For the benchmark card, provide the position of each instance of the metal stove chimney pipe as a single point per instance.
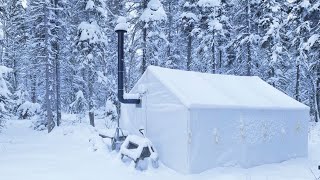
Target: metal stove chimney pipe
(120, 29)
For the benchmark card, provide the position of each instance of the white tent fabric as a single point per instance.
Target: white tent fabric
(198, 121)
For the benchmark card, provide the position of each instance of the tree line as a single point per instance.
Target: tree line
(63, 54)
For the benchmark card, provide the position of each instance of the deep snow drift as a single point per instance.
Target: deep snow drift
(75, 151)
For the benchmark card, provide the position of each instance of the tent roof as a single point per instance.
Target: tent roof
(204, 90)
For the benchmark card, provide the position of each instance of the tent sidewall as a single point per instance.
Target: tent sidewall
(246, 137)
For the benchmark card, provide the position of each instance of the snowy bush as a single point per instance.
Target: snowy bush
(111, 111)
(39, 121)
(20, 97)
(39, 124)
(28, 109)
(79, 105)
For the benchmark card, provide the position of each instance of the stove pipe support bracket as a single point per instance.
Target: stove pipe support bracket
(120, 31)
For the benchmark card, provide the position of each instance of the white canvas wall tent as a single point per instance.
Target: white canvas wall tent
(198, 121)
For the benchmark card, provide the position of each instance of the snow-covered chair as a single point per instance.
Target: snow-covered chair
(117, 137)
(138, 149)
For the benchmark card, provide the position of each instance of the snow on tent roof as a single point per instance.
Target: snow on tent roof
(204, 90)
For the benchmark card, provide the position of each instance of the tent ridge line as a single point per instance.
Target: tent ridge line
(173, 90)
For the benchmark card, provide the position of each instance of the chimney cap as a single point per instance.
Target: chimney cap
(122, 24)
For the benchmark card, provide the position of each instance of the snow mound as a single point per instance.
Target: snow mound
(28, 109)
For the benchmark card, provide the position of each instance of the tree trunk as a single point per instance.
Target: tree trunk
(189, 51)
(57, 66)
(248, 64)
(15, 72)
(317, 100)
(90, 96)
(220, 60)
(213, 60)
(317, 92)
(33, 87)
(1, 53)
(58, 90)
(248, 73)
(297, 95)
(169, 30)
(48, 96)
(144, 51)
(91, 117)
(144, 36)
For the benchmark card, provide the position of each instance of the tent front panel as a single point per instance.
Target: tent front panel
(168, 132)
(164, 119)
(246, 137)
(155, 96)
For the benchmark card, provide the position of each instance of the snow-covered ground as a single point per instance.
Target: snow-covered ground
(77, 152)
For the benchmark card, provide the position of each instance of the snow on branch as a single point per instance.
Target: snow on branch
(4, 70)
(311, 41)
(154, 12)
(209, 3)
(90, 31)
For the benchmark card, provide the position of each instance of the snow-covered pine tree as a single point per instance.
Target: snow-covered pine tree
(2, 30)
(174, 54)
(275, 62)
(4, 95)
(297, 30)
(146, 41)
(212, 20)
(16, 35)
(312, 48)
(154, 41)
(302, 26)
(79, 106)
(91, 41)
(56, 31)
(108, 71)
(188, 21)
(71, 80)
(43, 39)
(246, 37)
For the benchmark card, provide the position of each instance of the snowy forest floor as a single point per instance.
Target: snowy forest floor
(77, 152)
